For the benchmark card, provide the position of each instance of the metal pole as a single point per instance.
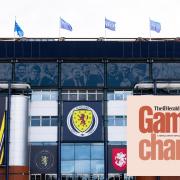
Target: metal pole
(59, 129)
(155, 93)
(7, 129)
(105, 125)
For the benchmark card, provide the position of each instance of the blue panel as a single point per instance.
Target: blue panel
(35, 49)
(137, 49)
(177, 49)
(161, 50)
(153, 49)
(112, 49)
(128, 49)
(18, 49)
(37, 74)
(10, 49)
(27, 49)
(82, 74)
(126, 74)
(144, 49)
(82, 152)
(170, 49)
(82, 121)
(2, 49)
(5, 71)
(166, 71)
(67, 152)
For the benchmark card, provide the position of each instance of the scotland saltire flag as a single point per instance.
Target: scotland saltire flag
(18, 29)
(155, 26)
(111, 25)
(65, 25)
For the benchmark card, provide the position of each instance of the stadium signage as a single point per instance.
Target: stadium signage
(153, 135)
(82, 121)
(117, 158)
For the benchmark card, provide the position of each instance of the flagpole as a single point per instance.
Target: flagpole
(150, 28)
(14, 31)
(59, 27)
(105, 29)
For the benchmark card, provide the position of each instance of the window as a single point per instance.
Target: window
(35, 121)
(82, 151)
(44, 120)
(81, 95)
(44, 95)
(82, 158)
(117, 120)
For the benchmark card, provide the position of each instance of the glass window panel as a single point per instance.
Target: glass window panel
(33, 177)
(97, 166)
(82, 74)
(54, 121)
(67, 152)
(36, 96)
(82, 97)
(126, 74)
(38, 177)
(72, 97)
(82, 166)
(35, 122)
(67, 167)
(46, 121)
(111, 121)
(82, 151)
(97, 152)
(64, 97)
(126, 94)
(5, 71)
(119, 96)
(166, 70)
(36, 118)
(110, 96)
(91, 97)
(46, 95)
(99, 97)
(37, 74)
(54, 95)
(82, 91)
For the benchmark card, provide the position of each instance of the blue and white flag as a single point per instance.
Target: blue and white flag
(18, 29)
(111, 25)
(65, 25)
(155, 26)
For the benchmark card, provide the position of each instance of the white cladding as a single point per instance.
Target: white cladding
(44, 108)
(43, 134)
(117, 133)
(40, 133)
(18, 146)
(116, 108)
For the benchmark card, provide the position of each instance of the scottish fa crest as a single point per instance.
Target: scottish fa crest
(82, 121)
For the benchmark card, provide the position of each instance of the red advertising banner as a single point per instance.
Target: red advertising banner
(117, 158)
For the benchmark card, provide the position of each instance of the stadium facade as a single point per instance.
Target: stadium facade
(72, 123)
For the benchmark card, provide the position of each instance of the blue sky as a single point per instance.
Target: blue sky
(40, 18)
